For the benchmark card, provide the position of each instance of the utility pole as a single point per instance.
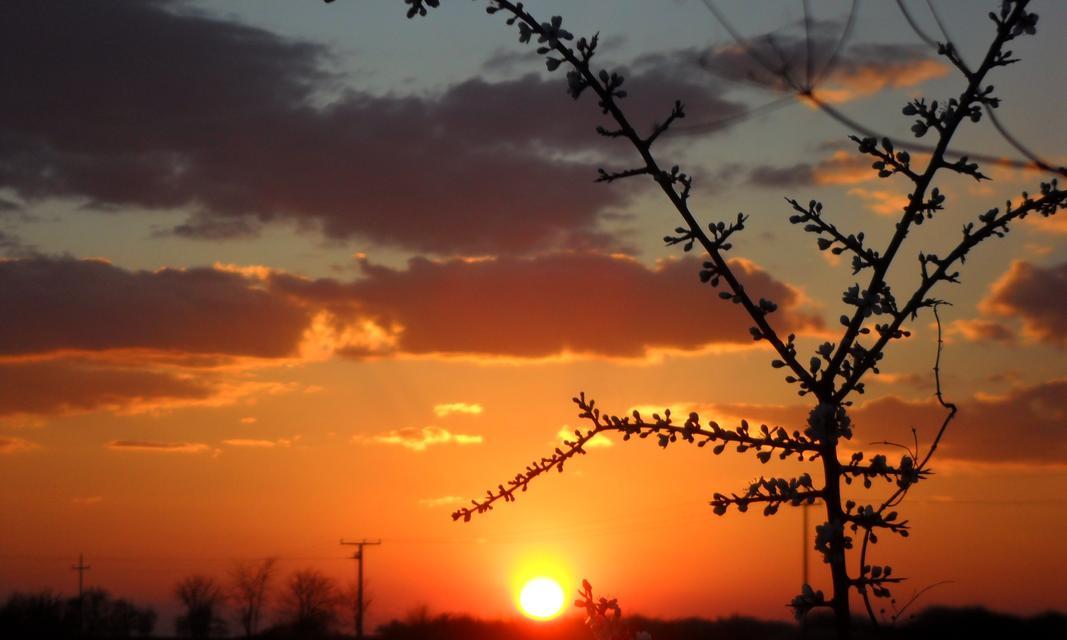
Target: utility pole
(358, 557)
(804, 541)
(81, 568)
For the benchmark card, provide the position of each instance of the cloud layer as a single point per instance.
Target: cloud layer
(83, 335)
(548, 305)
(246, 127)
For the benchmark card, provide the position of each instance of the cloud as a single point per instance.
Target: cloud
(86, 335)
(1036, 295)
(570, 303)
(261, 443)
(1025, 425)
(250, 442)
(444, 410)
(840, 168)
(11, 444)
(69, 386)
(247, 128)
(158, 447)
(862, 69)
(598, 441)
(420, 439)
(880, 201)
(980, 330)
(66, 304)
(11, 245)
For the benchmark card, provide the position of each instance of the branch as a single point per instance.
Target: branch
(951, 52)
(768, 441)
(920, 470)
(993, 223)
(917, 203)
(809, 94)
(770, 491)
(834, 240)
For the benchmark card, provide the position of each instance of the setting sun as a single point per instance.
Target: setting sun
(541, 598)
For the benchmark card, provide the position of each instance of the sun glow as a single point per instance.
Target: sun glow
(541, 598)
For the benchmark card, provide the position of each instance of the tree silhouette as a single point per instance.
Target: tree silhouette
(249, 589)
(876, 318)
(49, 615)
(203, 599)
(309, 604)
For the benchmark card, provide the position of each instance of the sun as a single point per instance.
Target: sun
(541, 598)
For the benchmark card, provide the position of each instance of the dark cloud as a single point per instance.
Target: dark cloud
(65, 304)
(800, 174)
(548, 305)
(1025, 425)
(148, 105)
(1036, 295)
(66, 386)
(12, 245)
(85, 335)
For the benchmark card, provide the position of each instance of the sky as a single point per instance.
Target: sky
(280, 273)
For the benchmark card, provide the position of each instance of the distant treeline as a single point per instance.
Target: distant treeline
(938, 623)
(47, 615)
(96, 615)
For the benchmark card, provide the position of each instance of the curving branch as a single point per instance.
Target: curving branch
(766, 442)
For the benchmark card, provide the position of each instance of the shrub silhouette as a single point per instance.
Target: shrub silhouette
(876, 315)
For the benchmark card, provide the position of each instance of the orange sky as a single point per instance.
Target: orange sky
(219, 344)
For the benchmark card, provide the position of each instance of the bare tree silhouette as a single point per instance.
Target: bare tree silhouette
(249, 589)
(203, 599)
(877, 318)
(310, 603)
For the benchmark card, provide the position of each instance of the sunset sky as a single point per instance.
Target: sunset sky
(276, 273)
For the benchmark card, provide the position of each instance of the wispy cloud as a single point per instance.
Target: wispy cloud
(249, 442)
(444, 410)
(260, 443)
(420, 439)
(11, 444)
(599, 440)
(161, 447)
